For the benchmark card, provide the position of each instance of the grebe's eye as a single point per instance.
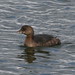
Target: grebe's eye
(23, 29)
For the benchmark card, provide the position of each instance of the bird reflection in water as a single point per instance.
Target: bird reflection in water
(29, 54)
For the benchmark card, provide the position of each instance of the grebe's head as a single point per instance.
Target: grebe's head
(27, 30)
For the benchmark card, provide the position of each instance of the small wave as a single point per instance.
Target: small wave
(1, 10)
(66, 61)
(66, 20)
(5, 26)
(31, 2)
(7, 72)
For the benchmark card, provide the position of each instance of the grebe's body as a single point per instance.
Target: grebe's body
(37, 40)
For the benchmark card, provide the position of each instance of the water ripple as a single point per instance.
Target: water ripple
(56, 17)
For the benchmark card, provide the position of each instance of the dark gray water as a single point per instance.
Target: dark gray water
(56, 17)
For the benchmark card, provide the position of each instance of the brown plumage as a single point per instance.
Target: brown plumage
(38, 40)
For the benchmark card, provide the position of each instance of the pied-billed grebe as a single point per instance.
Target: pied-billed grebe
(37, 40)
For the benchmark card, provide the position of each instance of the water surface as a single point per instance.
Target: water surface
(56, 17)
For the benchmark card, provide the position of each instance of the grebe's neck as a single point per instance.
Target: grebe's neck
(30, 36)
(29, 40)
